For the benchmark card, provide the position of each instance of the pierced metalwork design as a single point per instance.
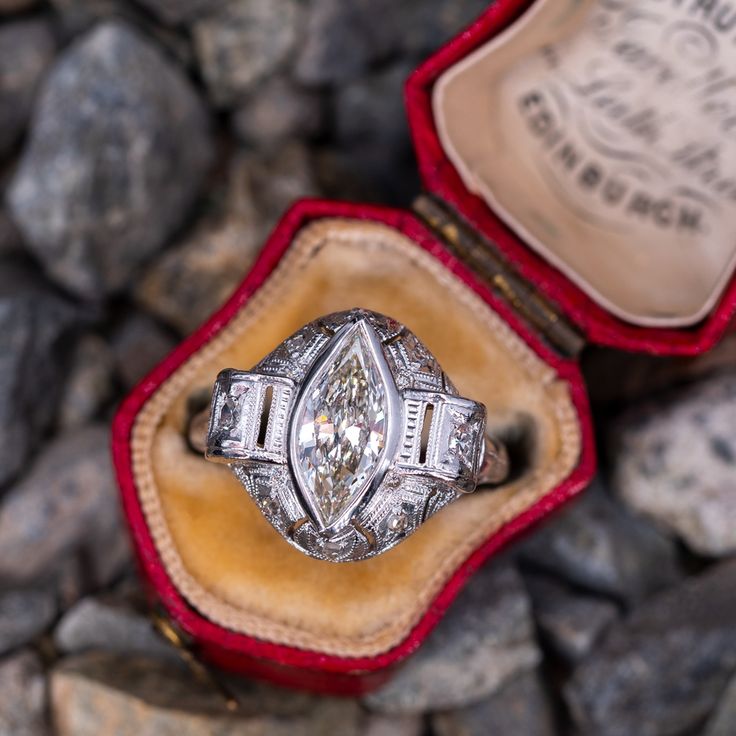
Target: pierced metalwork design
(348, 436)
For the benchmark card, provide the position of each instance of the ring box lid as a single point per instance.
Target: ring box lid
(589, 144)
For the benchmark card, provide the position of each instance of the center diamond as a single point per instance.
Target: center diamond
(340, 427)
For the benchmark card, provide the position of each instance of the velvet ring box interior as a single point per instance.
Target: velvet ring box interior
(504, 271)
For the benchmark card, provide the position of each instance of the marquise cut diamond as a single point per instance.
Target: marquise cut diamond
(341, 428)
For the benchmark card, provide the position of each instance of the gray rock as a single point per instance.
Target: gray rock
(70, 578)
(138, 344)
(194, 277)
(79, 16)
(676, 461)
(522, 707)
(175, 12)
(570, 621)
(24, 614)
(22, 696)
(11, 242)
(615, 378)
(189, 281)
(243, 42)
(661, 671)
(255, 696)
(14, 6)
(373, 135)
(268, 183)
(35, 322)
(597, 545)
(426, 25)
(26, 50)
(486, 638)
(335, 171)
(370, 110)
(110, 625)
(723, 720)
(343, 39)
(100, 694)
(90, 384)
(277, 111)
(116, 156)
(76, 17)
(377, 724)
(67, 506)
(265, 184)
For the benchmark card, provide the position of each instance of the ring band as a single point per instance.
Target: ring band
(349, 436)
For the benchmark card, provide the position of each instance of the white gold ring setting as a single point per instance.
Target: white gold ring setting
(349, 436)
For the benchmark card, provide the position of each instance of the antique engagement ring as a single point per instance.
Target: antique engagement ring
(349, 435)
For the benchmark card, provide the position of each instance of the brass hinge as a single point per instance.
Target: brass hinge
(484, 259)
(169, 631)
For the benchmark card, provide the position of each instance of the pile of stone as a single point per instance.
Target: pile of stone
(146, 148)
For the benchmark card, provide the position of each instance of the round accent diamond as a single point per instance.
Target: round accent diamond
(397, 521)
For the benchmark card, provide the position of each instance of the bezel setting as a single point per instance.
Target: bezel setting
(362, 332)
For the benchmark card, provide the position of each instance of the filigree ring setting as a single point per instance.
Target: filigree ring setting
(349, 436)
